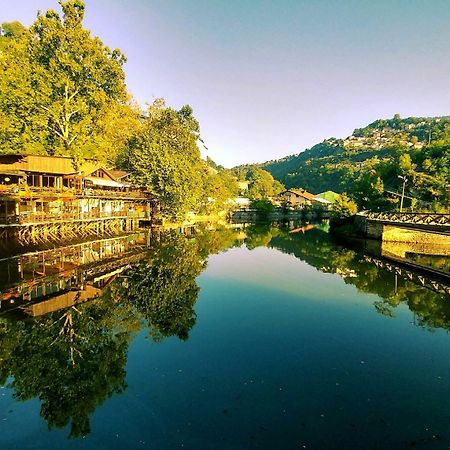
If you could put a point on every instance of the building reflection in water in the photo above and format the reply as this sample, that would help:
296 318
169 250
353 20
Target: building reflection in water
45 281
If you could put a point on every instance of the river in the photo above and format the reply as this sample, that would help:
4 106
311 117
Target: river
258 337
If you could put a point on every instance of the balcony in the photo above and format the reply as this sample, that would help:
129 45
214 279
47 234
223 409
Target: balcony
20 191
29 218
104 193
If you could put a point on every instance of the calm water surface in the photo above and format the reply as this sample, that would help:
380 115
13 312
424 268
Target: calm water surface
259 338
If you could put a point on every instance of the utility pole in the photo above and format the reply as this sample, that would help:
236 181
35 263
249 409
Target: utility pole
405 180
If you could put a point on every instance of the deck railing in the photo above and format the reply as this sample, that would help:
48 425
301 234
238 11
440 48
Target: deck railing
409 217
104 193
24 191
28 218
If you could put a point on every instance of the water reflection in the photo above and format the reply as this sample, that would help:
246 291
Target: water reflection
72 355
368 269
71 360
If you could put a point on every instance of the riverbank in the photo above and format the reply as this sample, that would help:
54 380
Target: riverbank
277 214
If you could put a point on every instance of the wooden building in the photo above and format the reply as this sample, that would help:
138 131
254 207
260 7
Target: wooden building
37 190
297 197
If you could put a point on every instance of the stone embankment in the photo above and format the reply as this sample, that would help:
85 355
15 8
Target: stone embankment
252 215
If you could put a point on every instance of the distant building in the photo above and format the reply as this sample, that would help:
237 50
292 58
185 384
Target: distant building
331 196
243 185
297 197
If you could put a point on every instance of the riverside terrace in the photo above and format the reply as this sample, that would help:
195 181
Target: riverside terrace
50 190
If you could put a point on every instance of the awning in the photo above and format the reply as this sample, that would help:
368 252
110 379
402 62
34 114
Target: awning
105 182
12 173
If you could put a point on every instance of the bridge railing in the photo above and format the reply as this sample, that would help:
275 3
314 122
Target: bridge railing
408 217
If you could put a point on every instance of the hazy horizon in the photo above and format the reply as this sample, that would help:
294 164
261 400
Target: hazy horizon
270 79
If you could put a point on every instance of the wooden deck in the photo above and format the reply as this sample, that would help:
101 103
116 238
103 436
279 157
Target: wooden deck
60 230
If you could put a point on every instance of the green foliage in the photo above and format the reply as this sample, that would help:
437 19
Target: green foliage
163 156
405 164
344 207
218 188
13 30
263 207
259 235
366 165
367 188
261 183
164 289
62 91
71 360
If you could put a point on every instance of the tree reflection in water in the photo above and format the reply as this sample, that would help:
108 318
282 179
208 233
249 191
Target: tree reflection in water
163 289
317 248
73 360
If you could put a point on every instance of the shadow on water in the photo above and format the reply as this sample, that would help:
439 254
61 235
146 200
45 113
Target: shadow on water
69 314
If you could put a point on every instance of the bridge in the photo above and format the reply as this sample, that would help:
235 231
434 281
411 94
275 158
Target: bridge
435 280
405 226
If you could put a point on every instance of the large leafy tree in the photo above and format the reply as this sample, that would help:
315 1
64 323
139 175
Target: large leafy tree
62 90
218 188
261 183
165 158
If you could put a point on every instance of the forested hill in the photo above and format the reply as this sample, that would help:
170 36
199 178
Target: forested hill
367 164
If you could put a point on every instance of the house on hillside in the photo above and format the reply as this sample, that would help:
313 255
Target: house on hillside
243 185
297 197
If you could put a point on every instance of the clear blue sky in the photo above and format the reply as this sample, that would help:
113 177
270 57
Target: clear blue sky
270 78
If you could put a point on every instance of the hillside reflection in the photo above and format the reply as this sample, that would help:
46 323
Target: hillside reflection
365 269
69 314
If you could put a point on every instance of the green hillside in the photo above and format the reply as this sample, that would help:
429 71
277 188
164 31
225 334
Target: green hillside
368 163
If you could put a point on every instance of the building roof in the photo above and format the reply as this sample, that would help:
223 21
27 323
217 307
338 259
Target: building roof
301 193
118 174
52 165
322 200
104 182
329 195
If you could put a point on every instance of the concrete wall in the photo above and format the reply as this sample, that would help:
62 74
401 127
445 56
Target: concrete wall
280 214
398 234
370 229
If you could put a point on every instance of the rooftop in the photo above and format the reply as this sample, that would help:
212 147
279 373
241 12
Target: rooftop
301 193
54 165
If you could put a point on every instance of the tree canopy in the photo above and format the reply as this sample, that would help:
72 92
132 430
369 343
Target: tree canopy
366 164
62 91
164 157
